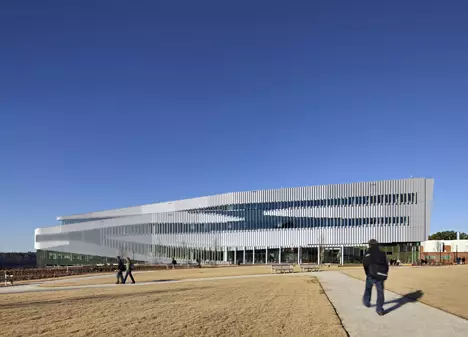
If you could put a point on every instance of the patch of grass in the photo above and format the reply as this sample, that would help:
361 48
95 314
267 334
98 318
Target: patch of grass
167 275
276 306
177 274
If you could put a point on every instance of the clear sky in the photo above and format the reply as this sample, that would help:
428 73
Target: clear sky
107 104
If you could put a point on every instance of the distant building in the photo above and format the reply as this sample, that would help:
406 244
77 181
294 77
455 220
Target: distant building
328 223
444 251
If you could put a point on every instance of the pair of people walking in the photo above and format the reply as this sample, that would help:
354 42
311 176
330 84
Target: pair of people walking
127 267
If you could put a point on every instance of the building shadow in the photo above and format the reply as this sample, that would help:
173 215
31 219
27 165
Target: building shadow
405 299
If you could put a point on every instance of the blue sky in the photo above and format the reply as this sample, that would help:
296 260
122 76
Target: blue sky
107 104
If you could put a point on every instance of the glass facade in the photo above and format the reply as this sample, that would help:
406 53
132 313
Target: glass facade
270 225
51 258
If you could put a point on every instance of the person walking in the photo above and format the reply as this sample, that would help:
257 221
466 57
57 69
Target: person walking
376 268
129 266
120 270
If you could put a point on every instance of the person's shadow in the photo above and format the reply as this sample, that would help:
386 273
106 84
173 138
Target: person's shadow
407 298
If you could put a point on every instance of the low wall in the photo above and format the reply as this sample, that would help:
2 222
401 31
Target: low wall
45 273
443 258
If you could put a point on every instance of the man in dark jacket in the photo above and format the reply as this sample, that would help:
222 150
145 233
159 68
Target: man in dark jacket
376 268
120 270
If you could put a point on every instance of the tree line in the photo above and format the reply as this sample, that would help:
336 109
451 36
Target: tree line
18 260
448 235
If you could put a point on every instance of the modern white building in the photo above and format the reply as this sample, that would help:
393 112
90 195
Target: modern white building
445 246
281 225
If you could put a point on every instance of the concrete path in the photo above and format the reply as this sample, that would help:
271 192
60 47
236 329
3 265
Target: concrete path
403 317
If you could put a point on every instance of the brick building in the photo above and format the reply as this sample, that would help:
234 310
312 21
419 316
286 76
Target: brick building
444 251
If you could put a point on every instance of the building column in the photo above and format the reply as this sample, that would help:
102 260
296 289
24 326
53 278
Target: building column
266 255
299 255
279 255
225 255
318 255
342 255
253 255
244 255
235 255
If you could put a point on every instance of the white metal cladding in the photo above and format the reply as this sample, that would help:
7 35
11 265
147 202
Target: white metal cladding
352 214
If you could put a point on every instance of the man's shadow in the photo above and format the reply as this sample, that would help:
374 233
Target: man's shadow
407 298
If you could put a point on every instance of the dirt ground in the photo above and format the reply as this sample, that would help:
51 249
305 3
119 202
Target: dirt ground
164 275
276 306
178 274
443 287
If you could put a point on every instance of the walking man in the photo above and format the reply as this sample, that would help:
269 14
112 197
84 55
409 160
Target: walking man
376 268
120 270
129 271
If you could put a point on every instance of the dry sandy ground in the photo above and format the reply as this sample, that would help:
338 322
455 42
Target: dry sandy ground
443 287
179 274
165 275
276 306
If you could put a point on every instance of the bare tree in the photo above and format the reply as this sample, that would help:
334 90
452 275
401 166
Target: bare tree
440 249
184 250
120 251
321 247
215 246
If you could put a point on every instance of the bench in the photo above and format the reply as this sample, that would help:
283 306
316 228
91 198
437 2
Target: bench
281 268
308 267
8 278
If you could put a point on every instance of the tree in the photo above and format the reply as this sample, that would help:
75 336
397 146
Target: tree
321 248
448 235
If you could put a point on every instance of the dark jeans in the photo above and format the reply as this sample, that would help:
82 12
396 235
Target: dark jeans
127 274
379 285
120 277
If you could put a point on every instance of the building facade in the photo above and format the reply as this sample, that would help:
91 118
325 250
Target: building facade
444 251
303 224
